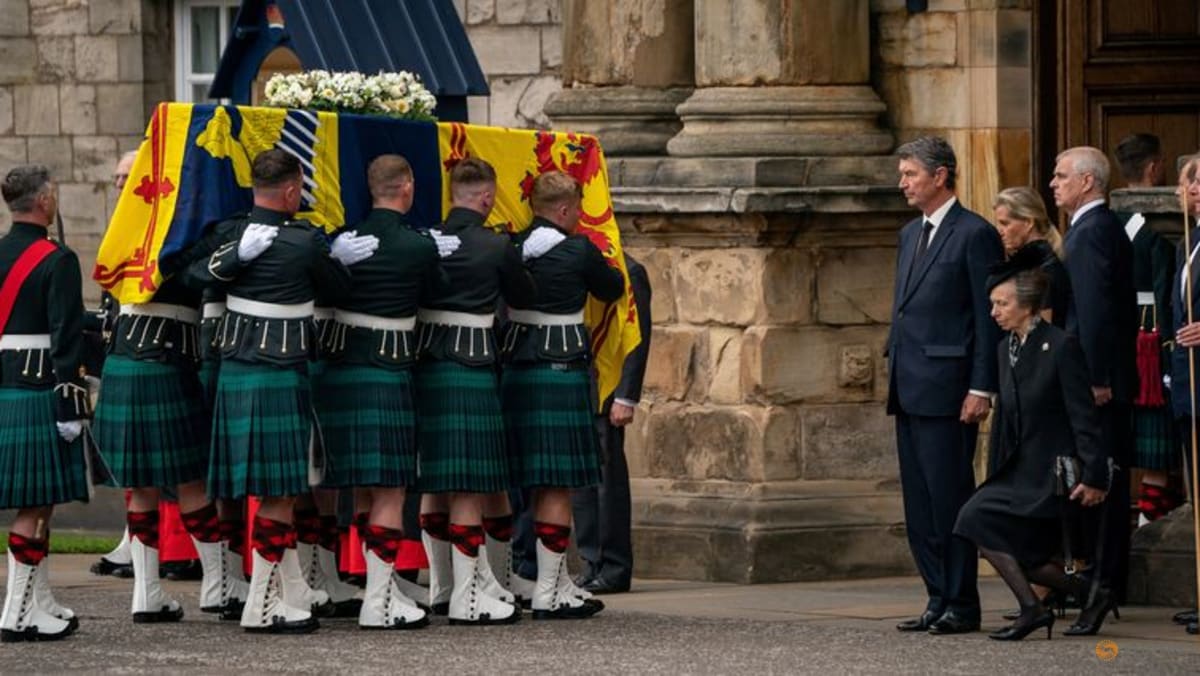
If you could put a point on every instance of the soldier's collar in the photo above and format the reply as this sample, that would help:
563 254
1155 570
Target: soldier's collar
269 216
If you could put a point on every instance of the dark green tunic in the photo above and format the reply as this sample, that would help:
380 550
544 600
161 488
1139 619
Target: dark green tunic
367 413
547 385
462 439
263 421
39 387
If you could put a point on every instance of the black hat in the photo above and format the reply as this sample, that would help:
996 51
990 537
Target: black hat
1026 258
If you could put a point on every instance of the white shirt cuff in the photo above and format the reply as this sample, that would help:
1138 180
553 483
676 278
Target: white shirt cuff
981 393
625 402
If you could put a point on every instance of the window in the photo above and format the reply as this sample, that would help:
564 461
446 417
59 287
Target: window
202 28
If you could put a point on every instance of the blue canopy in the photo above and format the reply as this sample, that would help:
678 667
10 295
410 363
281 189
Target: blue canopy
425 37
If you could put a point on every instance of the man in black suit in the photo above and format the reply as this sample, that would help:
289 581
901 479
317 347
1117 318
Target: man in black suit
1099 259
942 364
602 514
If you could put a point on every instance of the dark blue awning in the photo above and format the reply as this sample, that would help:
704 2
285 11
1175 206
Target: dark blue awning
425 37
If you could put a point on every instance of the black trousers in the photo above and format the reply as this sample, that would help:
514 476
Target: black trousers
603 513
937 478
1113 516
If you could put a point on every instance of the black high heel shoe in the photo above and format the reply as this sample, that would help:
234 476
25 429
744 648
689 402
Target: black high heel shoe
1023 627
1054 600
1092 617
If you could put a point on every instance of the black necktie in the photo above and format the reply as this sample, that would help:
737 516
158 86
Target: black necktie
926 232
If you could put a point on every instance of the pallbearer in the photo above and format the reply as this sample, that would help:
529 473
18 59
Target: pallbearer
546 390
368 418
263 425
462 445
43 400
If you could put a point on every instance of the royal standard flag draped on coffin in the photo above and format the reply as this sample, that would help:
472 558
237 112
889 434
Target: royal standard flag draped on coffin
194 169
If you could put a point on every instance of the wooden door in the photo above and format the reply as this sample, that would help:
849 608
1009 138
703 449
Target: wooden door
1120 66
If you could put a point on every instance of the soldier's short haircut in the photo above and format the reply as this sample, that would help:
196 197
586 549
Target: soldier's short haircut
1134 152
552 188
472 171
273 168
22 186
385 172
932 152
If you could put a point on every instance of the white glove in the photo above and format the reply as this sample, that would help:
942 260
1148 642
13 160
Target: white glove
446 244
541 240
69 430
256 239
349 248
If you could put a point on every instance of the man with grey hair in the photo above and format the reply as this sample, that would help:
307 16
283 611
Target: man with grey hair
1099 259
942 364
43 400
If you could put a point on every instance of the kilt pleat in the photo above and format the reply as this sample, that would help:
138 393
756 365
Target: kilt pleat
37 468
460 429
262 428
551 432
1154 446
209 368
151 424
369 426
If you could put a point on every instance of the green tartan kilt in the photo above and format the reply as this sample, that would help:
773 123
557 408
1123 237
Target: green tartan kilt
37 468
1155 446
551 430
151 423
460 429
369 426
209 368
263 425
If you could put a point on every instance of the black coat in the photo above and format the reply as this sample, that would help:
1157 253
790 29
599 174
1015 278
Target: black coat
1099 259
1044 409
1058 289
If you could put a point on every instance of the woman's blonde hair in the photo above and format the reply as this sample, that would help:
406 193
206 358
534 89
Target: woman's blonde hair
1025 204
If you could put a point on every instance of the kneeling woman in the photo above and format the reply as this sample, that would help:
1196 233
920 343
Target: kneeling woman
1044 410
547 386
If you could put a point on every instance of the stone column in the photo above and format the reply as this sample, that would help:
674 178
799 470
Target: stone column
626 66
782 77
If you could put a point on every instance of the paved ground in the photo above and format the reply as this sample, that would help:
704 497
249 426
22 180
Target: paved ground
662 627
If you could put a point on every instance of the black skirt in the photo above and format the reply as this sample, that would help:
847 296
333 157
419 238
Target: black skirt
987 520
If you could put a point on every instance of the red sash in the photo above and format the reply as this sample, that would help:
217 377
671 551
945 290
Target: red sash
25 264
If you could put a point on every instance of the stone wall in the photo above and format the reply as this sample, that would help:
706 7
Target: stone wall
519 46
962 69
72 98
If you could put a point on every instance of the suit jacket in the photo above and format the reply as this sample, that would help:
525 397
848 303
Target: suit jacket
1182 390
634 370
1044 409
1099 259
942 334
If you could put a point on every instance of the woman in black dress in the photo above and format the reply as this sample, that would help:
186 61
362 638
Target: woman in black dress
1044 409
1025 227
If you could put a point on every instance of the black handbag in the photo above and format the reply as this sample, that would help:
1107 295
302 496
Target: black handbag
1067 472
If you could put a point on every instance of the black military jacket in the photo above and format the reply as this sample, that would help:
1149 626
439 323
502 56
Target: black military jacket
486 267
565 276
49 302
290 272
388 284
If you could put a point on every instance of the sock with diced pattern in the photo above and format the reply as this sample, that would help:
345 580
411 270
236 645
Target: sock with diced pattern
27 550
437 524
383 541
272 538
143 526
202 523
468 539
555 537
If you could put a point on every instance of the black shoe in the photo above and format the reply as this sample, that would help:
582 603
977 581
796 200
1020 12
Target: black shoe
1184 617
280 626
29 634
232 610
156 617
106 567
952 623
599 585
347 608
565 612
1026 624
1092 617
181 570
1193 628
922 623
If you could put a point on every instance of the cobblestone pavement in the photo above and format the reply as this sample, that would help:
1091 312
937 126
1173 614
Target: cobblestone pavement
662 627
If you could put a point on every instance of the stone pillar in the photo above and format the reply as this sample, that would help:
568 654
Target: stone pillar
782 77
626 66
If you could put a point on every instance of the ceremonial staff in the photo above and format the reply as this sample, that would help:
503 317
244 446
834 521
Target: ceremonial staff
1187 245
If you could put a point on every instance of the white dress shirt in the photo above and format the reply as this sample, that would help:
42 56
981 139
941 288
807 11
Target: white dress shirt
1084 209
